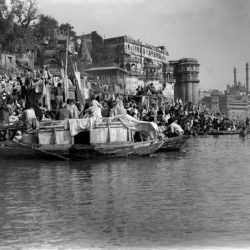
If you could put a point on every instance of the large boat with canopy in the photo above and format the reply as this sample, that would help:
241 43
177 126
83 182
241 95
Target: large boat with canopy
87 138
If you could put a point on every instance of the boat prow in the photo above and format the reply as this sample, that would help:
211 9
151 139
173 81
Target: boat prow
174 143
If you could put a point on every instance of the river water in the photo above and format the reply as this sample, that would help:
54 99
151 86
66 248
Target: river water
196 198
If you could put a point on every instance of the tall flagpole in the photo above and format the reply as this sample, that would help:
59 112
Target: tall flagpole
66 60
66 87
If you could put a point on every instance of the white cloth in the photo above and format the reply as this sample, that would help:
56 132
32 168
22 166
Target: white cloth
176 128
78 125
148 128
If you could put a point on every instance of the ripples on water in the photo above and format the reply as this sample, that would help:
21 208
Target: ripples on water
199 197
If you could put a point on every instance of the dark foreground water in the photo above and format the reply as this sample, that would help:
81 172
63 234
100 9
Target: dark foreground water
196 198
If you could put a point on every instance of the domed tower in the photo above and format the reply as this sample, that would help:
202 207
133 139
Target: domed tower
186 72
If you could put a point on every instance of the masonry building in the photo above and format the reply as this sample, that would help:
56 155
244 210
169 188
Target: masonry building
144 63
186 72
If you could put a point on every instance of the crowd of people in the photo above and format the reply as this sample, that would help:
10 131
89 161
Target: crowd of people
21 103
147 90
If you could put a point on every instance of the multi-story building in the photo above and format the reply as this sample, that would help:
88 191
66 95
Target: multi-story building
186 72
239 109
144 63
138 58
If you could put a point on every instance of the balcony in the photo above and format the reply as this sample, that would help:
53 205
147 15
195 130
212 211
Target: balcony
131 60
135 72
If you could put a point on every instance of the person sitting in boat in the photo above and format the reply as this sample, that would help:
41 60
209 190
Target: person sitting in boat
28 116
119 108
63 112
94 111
18 137
243 131
175 129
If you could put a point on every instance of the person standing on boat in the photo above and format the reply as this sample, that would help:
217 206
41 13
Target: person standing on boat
4 109
73 109
59 94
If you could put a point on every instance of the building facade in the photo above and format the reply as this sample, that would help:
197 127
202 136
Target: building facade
186 87
239 110
144 63
107 78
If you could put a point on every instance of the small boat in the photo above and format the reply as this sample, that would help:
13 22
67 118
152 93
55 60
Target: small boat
85 138
174 143
243 132
224 132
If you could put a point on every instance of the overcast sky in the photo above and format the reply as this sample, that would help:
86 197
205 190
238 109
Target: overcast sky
215 32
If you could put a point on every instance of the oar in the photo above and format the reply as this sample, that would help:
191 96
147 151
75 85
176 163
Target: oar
42 151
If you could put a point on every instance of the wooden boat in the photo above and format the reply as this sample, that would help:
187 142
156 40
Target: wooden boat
224 132
86 138
115 149
20 151
114 137
173 143
243 132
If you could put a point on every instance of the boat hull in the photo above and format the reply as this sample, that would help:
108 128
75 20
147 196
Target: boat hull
15 151
12 150
173 143
115 149
230 132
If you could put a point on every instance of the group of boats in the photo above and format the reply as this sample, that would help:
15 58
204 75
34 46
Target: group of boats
94 137
76 139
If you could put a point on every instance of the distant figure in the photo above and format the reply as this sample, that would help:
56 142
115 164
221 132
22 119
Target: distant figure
243 132
247 121
4 110
59 93
39 112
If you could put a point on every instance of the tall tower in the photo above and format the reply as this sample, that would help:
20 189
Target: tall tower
235 77
247 78
186 87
